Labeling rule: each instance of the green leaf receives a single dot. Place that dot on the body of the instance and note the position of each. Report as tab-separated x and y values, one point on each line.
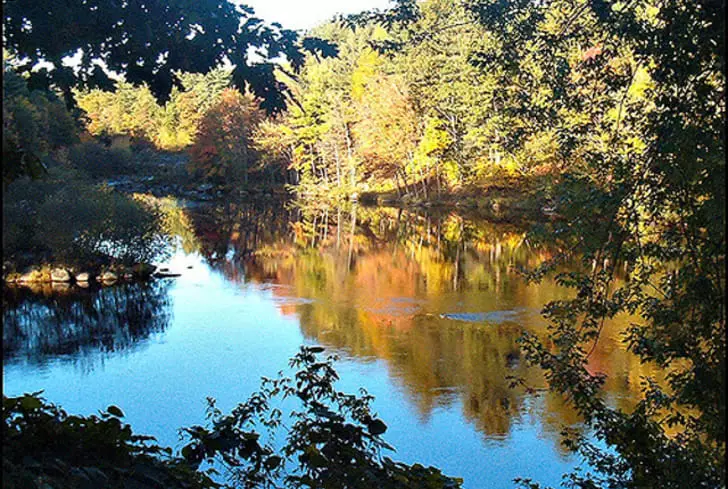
115	411
29	403
377	427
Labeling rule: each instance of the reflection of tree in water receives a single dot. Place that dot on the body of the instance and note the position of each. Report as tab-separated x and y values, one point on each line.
232	231
379	278
349	263
83	322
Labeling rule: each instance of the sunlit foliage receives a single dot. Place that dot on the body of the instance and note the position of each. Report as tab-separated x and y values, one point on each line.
148	41
35	122
223	150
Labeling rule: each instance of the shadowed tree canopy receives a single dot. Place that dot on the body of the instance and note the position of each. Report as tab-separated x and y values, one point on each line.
147	40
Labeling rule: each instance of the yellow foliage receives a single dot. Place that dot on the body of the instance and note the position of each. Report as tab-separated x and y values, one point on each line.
366	69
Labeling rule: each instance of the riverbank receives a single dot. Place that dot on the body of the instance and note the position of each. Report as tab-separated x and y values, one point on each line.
91	218
164	174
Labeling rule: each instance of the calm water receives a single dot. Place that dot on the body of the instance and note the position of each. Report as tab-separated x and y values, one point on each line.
424	312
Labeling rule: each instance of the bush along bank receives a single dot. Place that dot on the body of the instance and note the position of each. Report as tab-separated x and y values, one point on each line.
64	228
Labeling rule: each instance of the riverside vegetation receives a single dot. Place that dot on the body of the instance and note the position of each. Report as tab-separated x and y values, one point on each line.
607	115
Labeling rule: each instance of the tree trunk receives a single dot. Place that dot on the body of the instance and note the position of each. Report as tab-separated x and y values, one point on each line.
351	236
338	165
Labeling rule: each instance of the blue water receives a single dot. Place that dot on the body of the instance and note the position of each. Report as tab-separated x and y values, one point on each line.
222	336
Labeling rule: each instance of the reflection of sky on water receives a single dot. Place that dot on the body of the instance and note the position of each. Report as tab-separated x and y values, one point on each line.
223	335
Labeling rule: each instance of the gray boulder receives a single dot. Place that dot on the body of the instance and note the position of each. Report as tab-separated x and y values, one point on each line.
60	275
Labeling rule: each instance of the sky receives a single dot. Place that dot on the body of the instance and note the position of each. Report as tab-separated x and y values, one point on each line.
305	14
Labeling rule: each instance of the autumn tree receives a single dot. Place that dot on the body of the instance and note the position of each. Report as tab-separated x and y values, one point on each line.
129	109
223	151
388	131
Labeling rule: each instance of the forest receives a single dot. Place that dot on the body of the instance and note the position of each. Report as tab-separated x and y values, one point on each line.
599	123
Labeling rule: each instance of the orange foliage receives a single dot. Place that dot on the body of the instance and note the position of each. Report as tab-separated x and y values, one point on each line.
223	150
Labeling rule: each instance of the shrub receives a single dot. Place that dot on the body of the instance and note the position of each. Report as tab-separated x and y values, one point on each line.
45	447
66	217
98	161
334	442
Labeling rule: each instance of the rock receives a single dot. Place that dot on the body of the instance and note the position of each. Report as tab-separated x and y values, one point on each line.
108	277
83	277
35	276
60	275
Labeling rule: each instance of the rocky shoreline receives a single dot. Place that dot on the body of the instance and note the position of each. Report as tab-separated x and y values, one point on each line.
63	275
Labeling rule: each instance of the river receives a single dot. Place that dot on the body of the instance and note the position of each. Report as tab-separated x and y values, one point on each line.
423	309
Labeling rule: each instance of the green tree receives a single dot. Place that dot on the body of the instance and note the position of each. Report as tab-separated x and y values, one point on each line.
129	109
148	41
34	123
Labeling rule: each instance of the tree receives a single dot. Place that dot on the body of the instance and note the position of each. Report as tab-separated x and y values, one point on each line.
133	110
630	98
129	109
34	124
148	41
651	161
388	130
223	150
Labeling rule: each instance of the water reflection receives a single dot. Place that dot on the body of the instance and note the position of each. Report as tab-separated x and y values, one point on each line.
47	322
437	296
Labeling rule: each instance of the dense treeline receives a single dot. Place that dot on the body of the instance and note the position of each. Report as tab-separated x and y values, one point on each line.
35	119
134	111
410	108
419	121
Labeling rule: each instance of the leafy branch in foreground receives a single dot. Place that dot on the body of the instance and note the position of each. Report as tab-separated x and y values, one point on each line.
645	212
333	441
45	447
